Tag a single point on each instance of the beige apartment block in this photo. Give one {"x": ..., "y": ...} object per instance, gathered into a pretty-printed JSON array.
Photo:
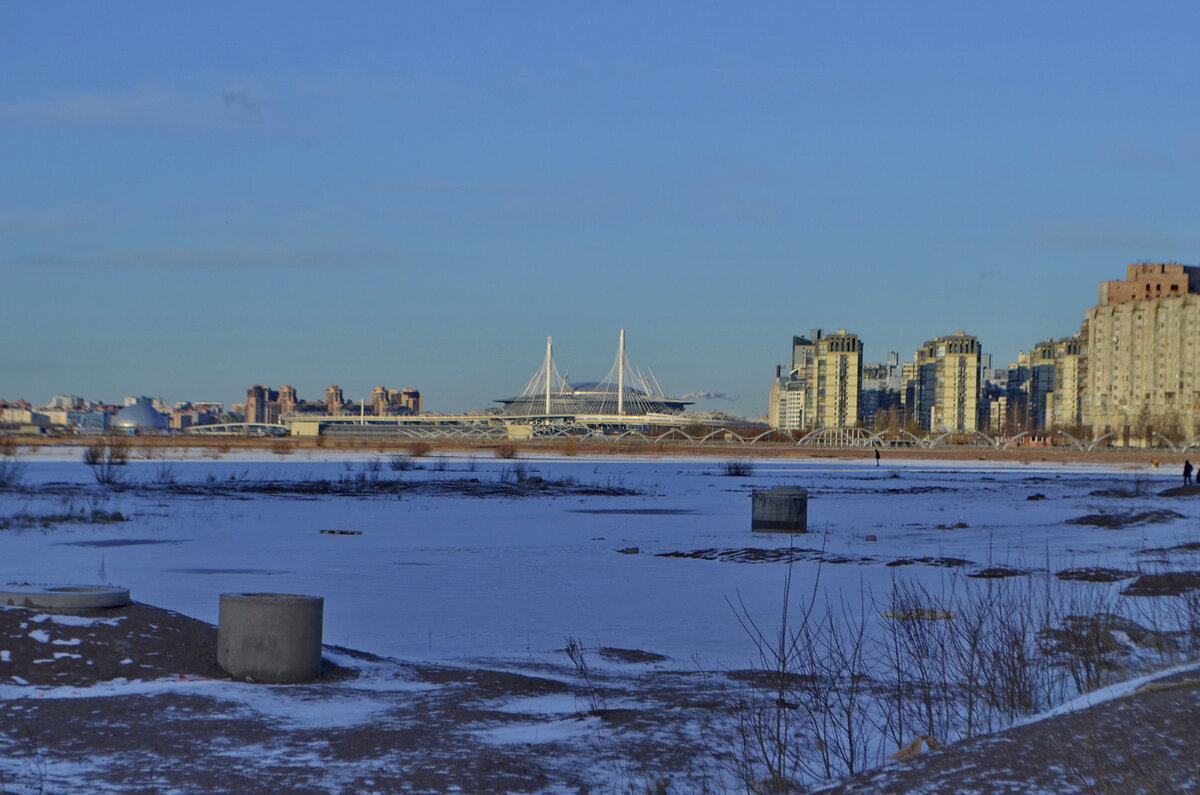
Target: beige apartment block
[
  {"x": 335, "y": 399},
  {"x": 1064, "y": 405},
  {"x": 948, "y": 382},
  {"x": 823, "y": 387},
  {"x": 1143, "y": 359},
  {"x": 998, "y": 415},
  {"x": 837, "y": 370}
]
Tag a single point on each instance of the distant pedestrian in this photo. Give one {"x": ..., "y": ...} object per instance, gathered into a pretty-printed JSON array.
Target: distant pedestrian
[
  {"x": 1154, "y": 463},
  {"x": 876, "y": 456},
  {"x": 1187, "y": 473}
]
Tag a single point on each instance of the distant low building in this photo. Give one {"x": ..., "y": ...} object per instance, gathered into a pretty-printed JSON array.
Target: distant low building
[
  {"x": 191, "y": 415},
  {"x": 140, "y": 417},
  {"x": 18, "y": 416}
]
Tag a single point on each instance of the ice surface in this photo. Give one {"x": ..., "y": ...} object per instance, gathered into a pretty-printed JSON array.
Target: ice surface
[{"x": 448, "y": 577}]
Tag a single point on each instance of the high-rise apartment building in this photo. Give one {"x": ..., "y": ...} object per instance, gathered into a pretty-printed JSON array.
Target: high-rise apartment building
[
  {"x": 288, "y": 399},
  {"x": 380, "y": 402},
  {"x": 410, "y": 399},
  {"x": 262, "y": 404},
  {"x": 1056, "y": 388},
  {"x": 837, "y": 373},
  {"x": 1143, "y": 357},
  {"x": 823, "y": 387},
  {"x": 944, "y": 395},
  {"x": 334, "y": 399}
]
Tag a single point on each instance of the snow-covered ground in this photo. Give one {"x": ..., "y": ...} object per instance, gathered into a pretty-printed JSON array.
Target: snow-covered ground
[{"x": 450, "y": 577}]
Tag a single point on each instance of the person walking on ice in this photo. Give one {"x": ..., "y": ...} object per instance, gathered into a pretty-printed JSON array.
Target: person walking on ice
[{"x": 1187, "y": 473}]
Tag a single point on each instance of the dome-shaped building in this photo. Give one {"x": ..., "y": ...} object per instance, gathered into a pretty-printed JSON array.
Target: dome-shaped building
[{"x": 139, "y": 417}]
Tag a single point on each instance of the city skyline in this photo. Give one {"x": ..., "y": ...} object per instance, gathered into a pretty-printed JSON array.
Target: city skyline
[{"x": 407, "y": 195}]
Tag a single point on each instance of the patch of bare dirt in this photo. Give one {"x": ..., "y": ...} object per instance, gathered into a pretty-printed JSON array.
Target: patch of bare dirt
[
  {"x": 1119, "y": 520},
  {"x": 1165, "y": 583},
  {"x": 631, "y": 655},
  {"x": 944, "y": 562},
  {"x": 1095, "y": 574},
  {"x": 1191, "y": 546},
  {"x": 1180, "y": 491},
  {"x": 133, "y": 642},
  {"x": 997, "y": 573},
  {"x": 756, "y": 555}
]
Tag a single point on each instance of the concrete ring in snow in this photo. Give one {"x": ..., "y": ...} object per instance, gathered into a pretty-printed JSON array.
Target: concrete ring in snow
[
  {"x": 270, "y": 637},
  {"x": 64, "y": 597}
]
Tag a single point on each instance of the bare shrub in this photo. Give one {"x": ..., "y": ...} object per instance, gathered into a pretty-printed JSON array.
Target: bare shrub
[
  {"x": 834, "y": 694},
  {"x": 400, "y": 463},
  {"x": 971, "y": 658},
  {"x": 737, "y": 467},
  {"x": 771, "y": 744},
  {"x": 917, "y": 637},
  {"x": 506, "y": 452},
  {"x": 12, "y": 470},
  {"x": 597, "y": 704},
  {"x": 970, "y": 661},
  {"x": 164, "y": 473},
  {"x": 365, "y": 479},
  {"x": 418, "y": 449},
  {"x": 104, "y": 455},
  {"x": 518, "y": 472},
  {"x": 1080, "y": 640}
]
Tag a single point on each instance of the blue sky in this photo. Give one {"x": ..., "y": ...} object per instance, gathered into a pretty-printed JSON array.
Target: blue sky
[{"x": 199, "y": 197}]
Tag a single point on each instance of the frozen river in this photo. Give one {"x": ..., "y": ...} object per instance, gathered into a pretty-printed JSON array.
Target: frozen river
[{"x": 449, "y": 576}]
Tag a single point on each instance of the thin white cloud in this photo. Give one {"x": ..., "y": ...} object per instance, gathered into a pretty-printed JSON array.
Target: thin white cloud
[
  {"x": 183, "y": 258},
  {"x": 95, "y": 107},
  {"x": 144, "y": 106}
]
